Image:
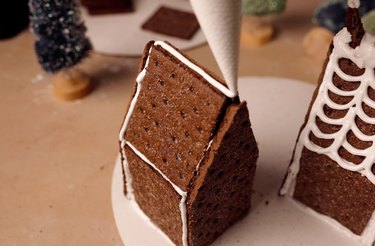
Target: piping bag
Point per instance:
(220, 21)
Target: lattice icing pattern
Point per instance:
(363, 57)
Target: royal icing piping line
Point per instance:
(123, 142)
(143, 216)
(128, 175)
(197, 69)
(364, 57)
(182, 193)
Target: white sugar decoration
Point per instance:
(38, 78)
(354, 4)
(364, 57)
(200, 71)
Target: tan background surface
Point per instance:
(57, 158)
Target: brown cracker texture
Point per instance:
(178, 109)
(329, 189)
(176, 115)
(156, 197)
(221, 192)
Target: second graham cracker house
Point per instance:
(332, 171)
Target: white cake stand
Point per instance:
(121, 34)
(277, 109)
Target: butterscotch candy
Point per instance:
(70, 85)
(316, 43)
(256, 32)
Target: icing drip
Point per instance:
(123, 142)
(364, 57)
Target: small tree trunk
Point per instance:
(316, 43)
(257, 30)
(70, 84)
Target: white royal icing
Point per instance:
(125, 125)
(364, 57)
(182, 193)
(197, 69)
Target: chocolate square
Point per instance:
(192, 107)
(98, 7)
(172, 22)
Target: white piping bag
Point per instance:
(220, 21)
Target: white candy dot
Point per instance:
(354, 4)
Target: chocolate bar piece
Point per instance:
(100, 7)
(172, 22)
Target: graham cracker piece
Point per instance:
(220, 193)
(172, 22)
(329, 189)
(175, 110)
(156, 197)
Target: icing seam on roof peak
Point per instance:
(197, 69)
